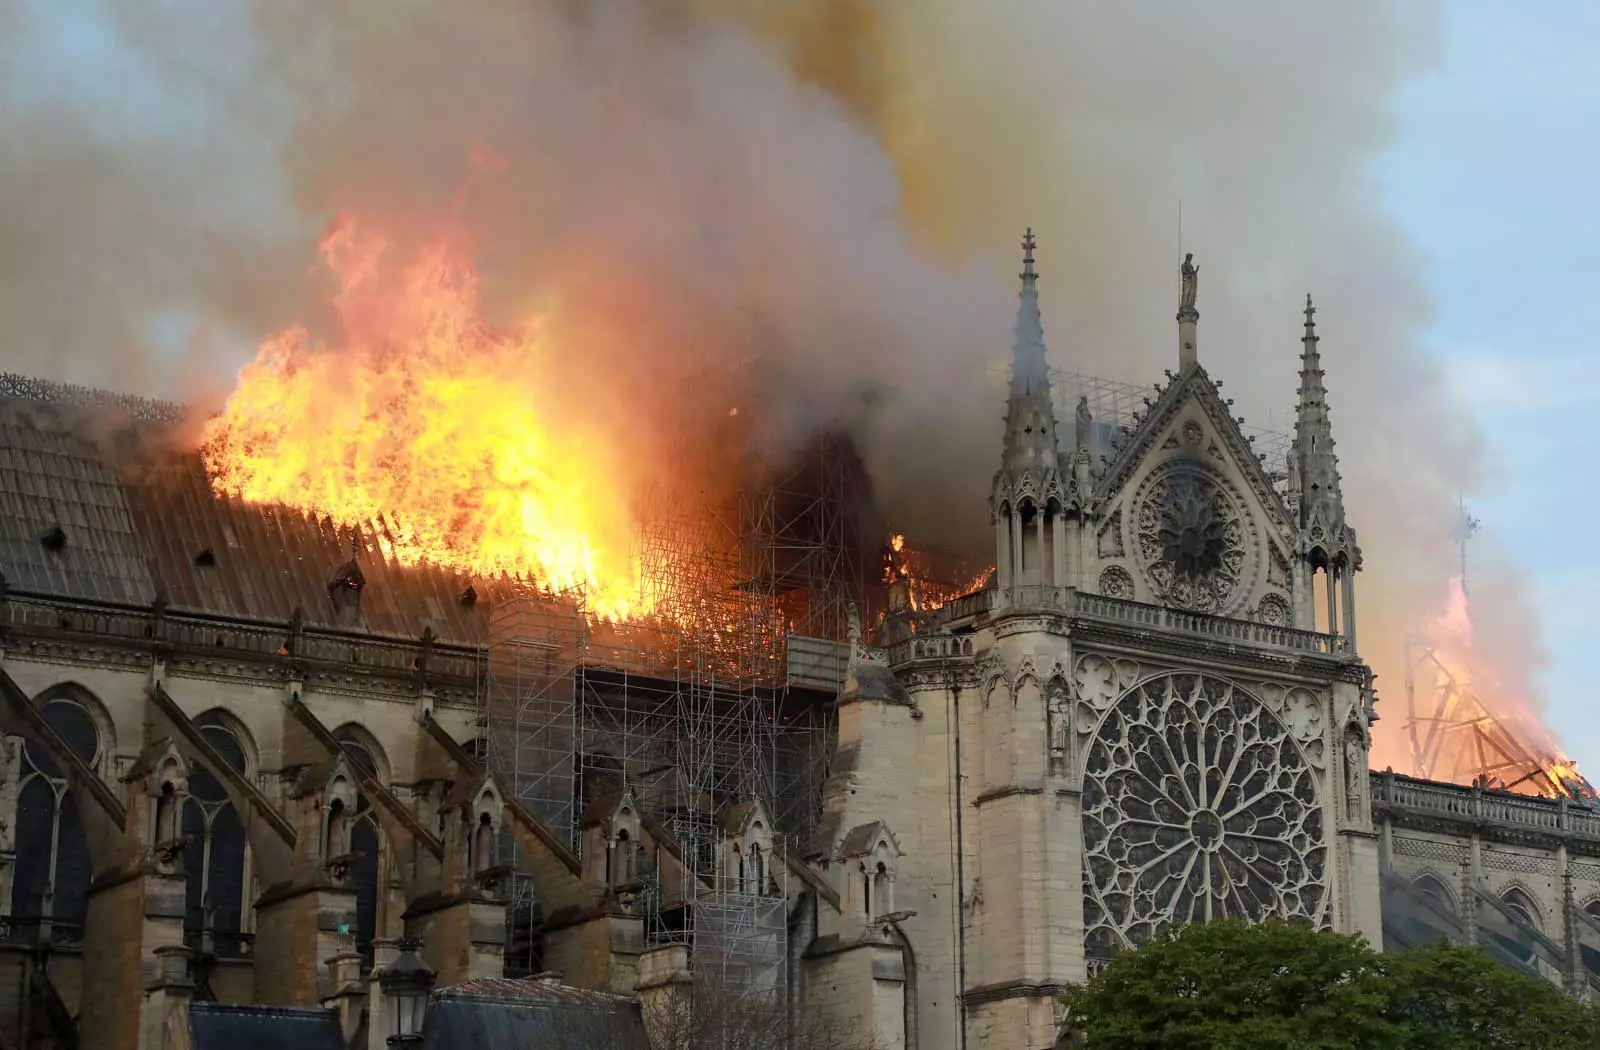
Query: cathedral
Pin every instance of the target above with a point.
(253, 784)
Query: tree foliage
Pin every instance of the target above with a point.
(1286, 986)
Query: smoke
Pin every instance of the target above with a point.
(838, 184)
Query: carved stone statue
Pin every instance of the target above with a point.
(1191, 281)
(1355, 767)
(1084, 421)
(854, 615)
(1059, 710)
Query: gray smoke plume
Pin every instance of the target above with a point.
(837, 184)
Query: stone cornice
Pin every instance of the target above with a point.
(209, 668)
(172, 637)
(1224, 656)
(1003, 990)
(1006, 791)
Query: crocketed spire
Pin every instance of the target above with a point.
(1313, 466)
(1030, 439)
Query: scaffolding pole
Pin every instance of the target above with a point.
(692, 710)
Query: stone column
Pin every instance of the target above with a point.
(1002, 552)
(1043, 569)
(1018, 564)
(1333, 586)
(384, 951)
(1347, 591)
(1068, 564)
(1302, 592)
(345, 995)
(167, 997)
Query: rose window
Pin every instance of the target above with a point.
(1197, 805)
(1191, 541)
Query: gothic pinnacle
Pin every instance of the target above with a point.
(1030, 418)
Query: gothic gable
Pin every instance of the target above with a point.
(1201, 525)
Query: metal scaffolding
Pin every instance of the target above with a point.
(1116, 407)
(719, 698)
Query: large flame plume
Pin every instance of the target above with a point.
(1466, 723)
(427, 423)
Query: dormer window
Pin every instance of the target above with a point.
(345, 589)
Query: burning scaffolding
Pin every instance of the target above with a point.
(1458, 737)
(715, 704)
(1467, 736)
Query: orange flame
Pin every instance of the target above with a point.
(1485, 728)
(923, 592)
(425, 423)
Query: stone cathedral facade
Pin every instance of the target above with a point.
(1144, 721)
(241, 759)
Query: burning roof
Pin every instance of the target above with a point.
(98, 505)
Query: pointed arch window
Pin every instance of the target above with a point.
(1429, 886)
(364, 843)
(1521, 905)
(214, 858)
(50, 882)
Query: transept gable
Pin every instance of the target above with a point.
(1192, 397)
(1189, 515)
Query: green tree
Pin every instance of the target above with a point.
(1285, 986)
(1452, 998)
(1226, 984)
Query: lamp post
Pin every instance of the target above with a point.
(406, 984)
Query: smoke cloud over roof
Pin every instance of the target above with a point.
(836, 184)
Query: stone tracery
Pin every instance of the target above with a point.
(1197, 804)
(1191, 539)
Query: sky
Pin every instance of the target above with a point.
(1492, 175)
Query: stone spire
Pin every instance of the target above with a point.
(1027, 499)
(1313, 468)
(1030, 440)
(1327, 542)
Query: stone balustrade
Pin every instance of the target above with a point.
(1067, 601)
(1391, 791)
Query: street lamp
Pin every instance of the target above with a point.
(406, 983)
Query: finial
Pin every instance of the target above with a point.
(1028, 244)
(1310, 312)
